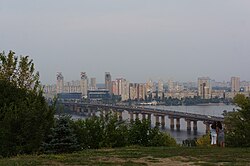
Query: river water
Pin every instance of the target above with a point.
(212, 110)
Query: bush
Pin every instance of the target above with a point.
(109, 131)
(237, 124)
(204, 140)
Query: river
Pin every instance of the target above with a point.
(212, 110)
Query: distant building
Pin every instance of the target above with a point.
(235, 84)
(59, 83)
(133, 91)
(149, 86)
(170, 86)
(108, 82)
(160, 86)
(141, 92)
(121, 88)
(93, 83)
(115, 87)
(99, 95)
(204, 87)
(69, 96)
(84, 84)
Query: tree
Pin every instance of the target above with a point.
(25, 117)
(141, 133)
(62, 139)
(237, 124)
(19, 72)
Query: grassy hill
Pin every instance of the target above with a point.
(140, 156)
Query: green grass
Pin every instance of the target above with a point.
(139, 156)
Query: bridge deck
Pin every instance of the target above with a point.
(156, 112)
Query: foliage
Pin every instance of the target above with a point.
(25, 117)
(19, 72)
(204, 140)
(97, 132)
(237, 124)
(109, 131)
(114, 131)
(62, 138)
(89, 132)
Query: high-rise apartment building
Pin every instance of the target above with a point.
(93, 83)
(59, 83)
(133, 91)
(149, 86)
(122, 88)
(114, 87)
(204, 87)
(235, 84)
(170, 86)
(84, 84)
(108, 82)
(141, 92)
(160, 86)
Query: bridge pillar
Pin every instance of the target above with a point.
(171, 123)
(131, 116)
(163, 122)
(195, 125)
(137, 116)
(93, 112)
(143, 116)
(120, 116)
(89, 112)
(149, 117)
(157, 123)
(188, 125)
(178, 124)
(207, 127)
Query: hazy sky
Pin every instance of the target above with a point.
(135, 39)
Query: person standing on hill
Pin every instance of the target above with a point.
(213, 134)
(220, 133)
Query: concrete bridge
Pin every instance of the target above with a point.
(146, 113)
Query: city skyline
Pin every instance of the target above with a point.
(165, 81)
(205, 88)
(137, 40)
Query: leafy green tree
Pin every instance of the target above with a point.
(20, 72)
(141, 133)
(237, 124)
(62, 139)
(158, 138)
(89, 132)
(115, 131)
(25, 117)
